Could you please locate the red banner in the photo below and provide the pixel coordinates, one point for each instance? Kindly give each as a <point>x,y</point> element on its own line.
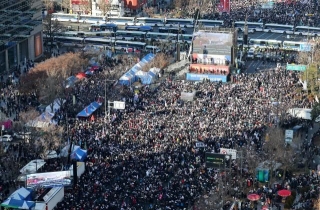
<point>224,6</point>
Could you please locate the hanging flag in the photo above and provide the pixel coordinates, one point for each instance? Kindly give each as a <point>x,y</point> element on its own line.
<point>225,6</point>
<point>165,103</point>
<point>92,118</point>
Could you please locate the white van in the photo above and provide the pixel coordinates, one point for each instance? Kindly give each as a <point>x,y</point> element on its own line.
<point>251,53</point>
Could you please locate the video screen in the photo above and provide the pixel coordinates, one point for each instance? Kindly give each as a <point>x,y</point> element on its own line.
<point>51,179</point>
<point>209,43</point>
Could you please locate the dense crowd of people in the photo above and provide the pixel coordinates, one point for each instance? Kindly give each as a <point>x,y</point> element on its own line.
<point>146,157</point>
<point>296,12</point>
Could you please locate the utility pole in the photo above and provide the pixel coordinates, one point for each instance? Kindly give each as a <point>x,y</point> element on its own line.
<point>106,103</point>
<point>245,34</point>
<point>178,45</point>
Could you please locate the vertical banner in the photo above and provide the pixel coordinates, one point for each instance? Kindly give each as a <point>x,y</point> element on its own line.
<point>225,6</point>
<point>37,45</point>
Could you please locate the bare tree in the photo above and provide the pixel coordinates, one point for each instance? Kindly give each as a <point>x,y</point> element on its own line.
<point>86,6</point>
<point>48,4</point>
<point>104,6</point>
<point>278,151</point>
<point>50,28</point>
<point>51,139</point>
<point>48,78</point>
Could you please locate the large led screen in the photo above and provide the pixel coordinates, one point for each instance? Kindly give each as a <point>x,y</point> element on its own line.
<point>51,179</point>
<point>209,43</point>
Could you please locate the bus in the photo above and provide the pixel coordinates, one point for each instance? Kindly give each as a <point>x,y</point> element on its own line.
<point>153,22</point>
<point>70,41</point>
<point>61,17</point>
<point>131,35</point>
<point>138,28</point>
<point>210,23</point>
<point>172,30</point>
<point>277,28</point>
<point>104,27</point>
<point>265,43</point>
<point>275,44</point>
<point>297,46</point>
<point>307,31</point>
<point>125,44</point>
<point>122,21</point>
<point>92,19</point>
<point>97,41</point>
<point>173,22</point>
<point>154,36</point>
<point>252,26</point>
<point>152,49</point>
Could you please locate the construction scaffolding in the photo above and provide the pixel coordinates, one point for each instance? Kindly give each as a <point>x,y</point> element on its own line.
<point>18,18</point>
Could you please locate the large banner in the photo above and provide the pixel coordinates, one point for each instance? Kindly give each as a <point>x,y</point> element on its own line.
<point>50,179</point>
<point>209,43</point>
<point>224,6</point>
<point>211,59</point>
<point>37,45</point>
<point>208,69</point>
<point>201,77</point>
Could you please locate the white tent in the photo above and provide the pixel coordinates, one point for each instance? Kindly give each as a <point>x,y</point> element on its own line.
<point>44,120</point>
<point>300,113</point>
<point>32,166</point>
<point>20,194</point>
<point>55,105</point>
<point>65,150</point>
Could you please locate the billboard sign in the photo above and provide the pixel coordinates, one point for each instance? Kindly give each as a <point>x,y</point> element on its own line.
<point>209,43</point>
<point>294,67</point>
<point>50,179</point>
<point>288,136</point>
<point>231,152</point>
<point>212,69</point>
<point>211,59</point>
<point>201,77</point>
<point>214,160</point>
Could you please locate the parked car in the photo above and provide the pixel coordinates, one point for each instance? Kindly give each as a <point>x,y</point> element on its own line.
<point>6,138</point>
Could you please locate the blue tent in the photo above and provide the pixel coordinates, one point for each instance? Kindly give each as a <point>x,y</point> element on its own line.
<point>145,79</point>
<point>18,204</point>
<point>79,154</point>
<point>88,110</point>
<point>148,58</point>
<point>21,194</point>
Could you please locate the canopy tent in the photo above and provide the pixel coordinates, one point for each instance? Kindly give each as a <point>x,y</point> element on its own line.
<point>148,58</point>
<point>130,76</point>
<point>141,73</point>
<point>65,150</point>
<point>300,113</point>
<point>32,166</point>
<point>81,75</point>
<point>127,79</point>
<point>17,204</point>
<point>89,110</point>
<point>55,105</point>
<point>21,194</point>
<point>145,79</point>
<point>79,154</point>
<point>44,120</point>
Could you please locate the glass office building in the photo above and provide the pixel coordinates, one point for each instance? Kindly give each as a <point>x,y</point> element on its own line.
<point>20,32</point>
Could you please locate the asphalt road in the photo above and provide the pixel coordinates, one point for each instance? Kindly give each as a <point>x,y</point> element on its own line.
<point>258,66</point>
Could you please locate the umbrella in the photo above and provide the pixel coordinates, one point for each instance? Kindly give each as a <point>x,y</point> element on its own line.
<point>81,75</point>
<point>284,193</point>
<point>253,197</point>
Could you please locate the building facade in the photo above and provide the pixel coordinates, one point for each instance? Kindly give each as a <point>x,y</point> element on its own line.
<point>20,32</point>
